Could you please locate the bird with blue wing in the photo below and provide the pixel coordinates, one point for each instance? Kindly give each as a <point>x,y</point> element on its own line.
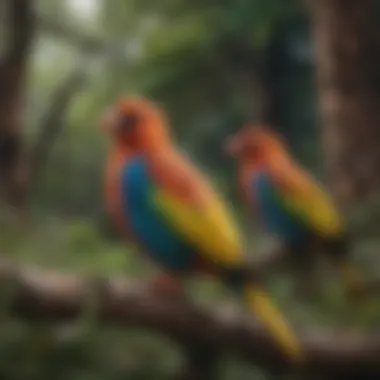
<point>160,201</point>
<point>291,204</point>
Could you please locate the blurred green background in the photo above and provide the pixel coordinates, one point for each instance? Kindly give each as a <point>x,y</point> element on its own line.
<point>208,64</point>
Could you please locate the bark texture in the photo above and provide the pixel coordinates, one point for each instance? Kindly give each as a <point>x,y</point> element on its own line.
<point>19,30</point>
<point>40,296</point>
<point>348,59</point>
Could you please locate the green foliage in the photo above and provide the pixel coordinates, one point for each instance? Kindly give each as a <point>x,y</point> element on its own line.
<point>190,56</point>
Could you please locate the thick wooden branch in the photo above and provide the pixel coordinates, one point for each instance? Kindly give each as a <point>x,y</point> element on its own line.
<point>46,296</point>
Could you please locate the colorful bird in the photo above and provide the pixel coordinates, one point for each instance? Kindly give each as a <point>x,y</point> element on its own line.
<point>291,204</point>
<point>160,201</point>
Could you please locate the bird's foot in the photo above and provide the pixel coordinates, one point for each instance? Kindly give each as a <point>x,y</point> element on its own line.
<point>359,292</point>
<point>167,286</point>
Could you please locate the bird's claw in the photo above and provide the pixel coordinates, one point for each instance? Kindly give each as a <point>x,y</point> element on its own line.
<point>358,293</point>
<point>167,286</point>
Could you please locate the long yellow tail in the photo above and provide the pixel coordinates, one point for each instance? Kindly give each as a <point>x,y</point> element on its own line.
<point>259,302</point>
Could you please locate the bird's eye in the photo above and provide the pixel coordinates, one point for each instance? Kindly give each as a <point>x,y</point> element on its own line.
<point>128,122</point>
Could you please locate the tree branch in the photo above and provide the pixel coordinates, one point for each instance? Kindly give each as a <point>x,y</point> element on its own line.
<point>87,43</point>
<point>52,124</point>
<point>46,296</point>
<point>90,45</point>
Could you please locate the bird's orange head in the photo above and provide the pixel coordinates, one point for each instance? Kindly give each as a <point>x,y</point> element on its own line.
<point>136,124</point>
<point>256,144</point>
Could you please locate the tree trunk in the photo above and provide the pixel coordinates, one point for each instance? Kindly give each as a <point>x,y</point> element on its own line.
<point>348,60</point>
<point>12,79</point>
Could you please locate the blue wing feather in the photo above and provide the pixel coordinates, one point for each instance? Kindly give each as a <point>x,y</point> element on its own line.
<point>277,218</point>
<point>162,243</point>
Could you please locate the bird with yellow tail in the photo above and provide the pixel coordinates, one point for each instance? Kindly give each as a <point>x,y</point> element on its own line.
<point>291,204</point>
<point>162,203</point>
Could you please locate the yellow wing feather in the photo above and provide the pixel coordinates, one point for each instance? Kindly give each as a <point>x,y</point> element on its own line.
<point>305,197</point>
<point>210,228</point>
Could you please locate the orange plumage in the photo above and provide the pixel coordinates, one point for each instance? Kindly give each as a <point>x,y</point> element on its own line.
<point>290,202</point>
<point>168,206</point>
